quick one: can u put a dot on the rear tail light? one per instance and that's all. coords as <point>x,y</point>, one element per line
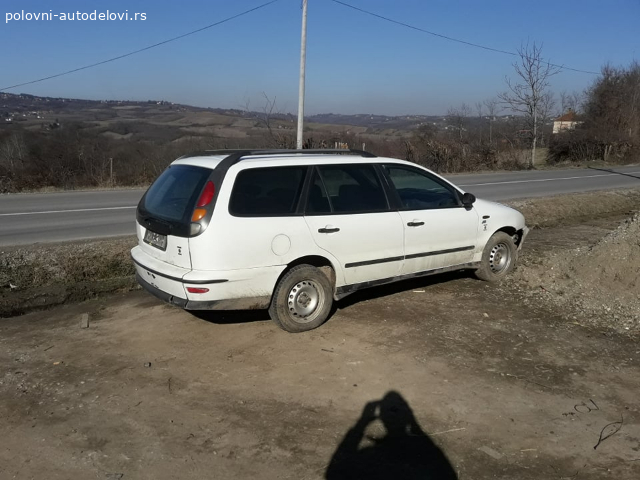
<point>197,290</point>
<point>201,211</point>
<point>207,195</point>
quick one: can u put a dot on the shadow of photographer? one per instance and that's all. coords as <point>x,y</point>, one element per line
<point>403,451</point>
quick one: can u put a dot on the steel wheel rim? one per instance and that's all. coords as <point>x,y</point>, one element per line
<point>304,300</point>
<point>500,258</point>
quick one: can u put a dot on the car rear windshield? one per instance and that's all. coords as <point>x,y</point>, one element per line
<point>173,195</point>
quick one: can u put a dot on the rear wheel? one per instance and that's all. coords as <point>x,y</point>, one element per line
<point>302,299</point>
<point>498,258</point>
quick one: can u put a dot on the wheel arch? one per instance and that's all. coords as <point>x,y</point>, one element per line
<point>511,231</point>
<point>325,265</point>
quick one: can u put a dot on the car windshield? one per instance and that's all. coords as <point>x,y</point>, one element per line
<point>173,195</point>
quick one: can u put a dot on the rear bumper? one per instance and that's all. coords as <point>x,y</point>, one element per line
<point>164,296</point>
<point>244,303</point>
<point>245,289</point>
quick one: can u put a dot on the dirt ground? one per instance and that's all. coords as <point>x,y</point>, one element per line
<point>591,272</point>
<point>447,377</point>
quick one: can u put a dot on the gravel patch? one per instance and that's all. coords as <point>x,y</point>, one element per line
<point>597,282</point>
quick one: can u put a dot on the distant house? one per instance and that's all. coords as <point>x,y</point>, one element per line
<point>568,121</point>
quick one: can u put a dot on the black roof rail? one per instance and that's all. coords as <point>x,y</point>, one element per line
<point>237,154</point>
<point>204,153</point>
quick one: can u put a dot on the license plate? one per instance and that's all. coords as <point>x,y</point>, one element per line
<point>156,240</point>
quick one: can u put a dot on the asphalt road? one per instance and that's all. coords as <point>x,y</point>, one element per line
<point>544,183</point>
<point>54,217</point>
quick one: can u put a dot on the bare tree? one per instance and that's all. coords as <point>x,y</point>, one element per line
<point>546,112</point>
<point>570,101</point>
<point>266,118</point>
<point>479,108</point>
<point>613,104</point>
<point>526,95</point>
<point>13,151</point>
<point>457,118</point>
<point>492,109</point>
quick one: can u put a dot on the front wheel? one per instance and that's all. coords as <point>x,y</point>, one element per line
<point>498,258</point>
<point>302,299</point>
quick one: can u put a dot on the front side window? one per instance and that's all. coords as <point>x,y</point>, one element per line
<point>346,189</point>
<point>419,191</point>
<point>272,191</point>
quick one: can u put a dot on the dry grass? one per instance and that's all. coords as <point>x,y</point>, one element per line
<point>574,208</point>
<point>36,277</point>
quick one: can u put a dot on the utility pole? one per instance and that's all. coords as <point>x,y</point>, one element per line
<point>303,61</point>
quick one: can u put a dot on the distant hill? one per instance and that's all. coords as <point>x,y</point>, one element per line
<point>24,103</point>
<point>166,122</point>
<point>405,122</point>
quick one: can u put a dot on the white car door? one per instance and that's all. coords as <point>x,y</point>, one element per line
<point>438,230</point>
<point>348,215</point>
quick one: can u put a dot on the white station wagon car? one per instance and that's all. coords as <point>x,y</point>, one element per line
<point>294,230</point>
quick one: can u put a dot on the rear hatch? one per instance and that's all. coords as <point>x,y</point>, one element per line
<point>164,213</point>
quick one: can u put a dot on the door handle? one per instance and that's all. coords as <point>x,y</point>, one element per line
<point>415,223</point>
<point>328,229</point>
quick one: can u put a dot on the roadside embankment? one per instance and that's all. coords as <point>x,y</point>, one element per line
<point>576,208</point>
<point>40,276</point>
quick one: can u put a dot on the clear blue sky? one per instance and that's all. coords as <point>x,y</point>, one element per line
<point>355,63</point>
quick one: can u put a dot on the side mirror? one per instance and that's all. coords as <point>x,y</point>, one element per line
<point>468,199</point>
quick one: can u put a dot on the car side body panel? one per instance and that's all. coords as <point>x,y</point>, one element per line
<point>367,246</point>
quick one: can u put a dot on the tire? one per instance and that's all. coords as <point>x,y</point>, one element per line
<point>498,258</point>
<point>302,299</point>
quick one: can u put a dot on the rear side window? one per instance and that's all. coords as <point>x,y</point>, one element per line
<point>173,195</point>
<point>343,189</point>
<point>273,191</point>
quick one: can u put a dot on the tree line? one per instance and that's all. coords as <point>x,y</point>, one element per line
<point>606,122</point>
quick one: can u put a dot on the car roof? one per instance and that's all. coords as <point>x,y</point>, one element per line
<point>214,158</point>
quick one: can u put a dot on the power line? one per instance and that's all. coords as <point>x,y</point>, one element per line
<point>141,49</point>
<point>452,39</point>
